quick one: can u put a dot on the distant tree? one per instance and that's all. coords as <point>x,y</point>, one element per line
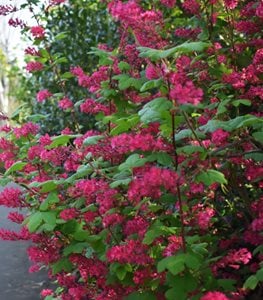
<point>67,29</point>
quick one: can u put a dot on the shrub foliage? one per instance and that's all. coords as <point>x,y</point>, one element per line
<point>163,199</point>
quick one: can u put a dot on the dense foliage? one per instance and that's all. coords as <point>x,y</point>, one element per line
<point>71,31</point>
<point>163,200</point>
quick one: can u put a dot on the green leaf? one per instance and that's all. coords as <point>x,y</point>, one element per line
<point>62,265</point>
<point>190,149</point>
<point>259,274</point>
<point>75,248</point>
<point>48,186</point>
<point>258,249</point>
<point>67,75</point>
<point>124,182</point>
<point>251,282</point>
<point>176,293</point>
<point>52,198</point>
<point>99,52</point>
<point>81,235</point>
<point>44,53</point>
<point>227,284</point>
<point>256,156</point>
<point>175,264</point>
<point>82,171</point>
<point>200,248</point>
<point>132,161</point>
<point>181,286</point>
<point>49,217</point>
<point>123,126</point>
<point>123,66</point>
<point>89,252</point>
<point>92,140</point>
<point>61,35</point>
<point>61,60</point>
<point>141,296</point>
<point>187,133</point>
<point>61,140</point>
<point>37,117</point>
<point>231,125</point>
<point>211,176</point>
<point>151,84</point>
<point>152,111</point>
<point>50,298</point>
<point>192,261</point>
<point>70,227</point>
<point>222,107</point>
<point>245,102</point>
<point>185,284</point>
<point>125,81</point>
<point>151,235</point>
<point>17,112</point>
<point>121,272</point>
<point>34,221</point>
<point>4,181</point>
<point>258,136</point>
<point>17,166</point>
<point>162,158</point>
<point>186,47</point>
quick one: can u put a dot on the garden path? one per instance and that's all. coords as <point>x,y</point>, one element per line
<point>16,283</point>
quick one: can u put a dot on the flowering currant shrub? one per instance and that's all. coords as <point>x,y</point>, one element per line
<point>163,200</point>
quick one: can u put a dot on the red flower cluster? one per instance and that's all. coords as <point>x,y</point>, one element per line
<point>132,252</point>
<point>38,32</point>
<point>34,66</point>
<point>149,183</point>
<point>43,95</point>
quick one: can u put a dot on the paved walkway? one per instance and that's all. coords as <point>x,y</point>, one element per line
<point>16,283</point>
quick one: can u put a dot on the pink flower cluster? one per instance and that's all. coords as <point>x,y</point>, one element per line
<point>32,51</point>
<point>34,66</point>
<point>26,130</point>
<point>191,7</point>
<point>10,235</point>
<point>233,259</point>
<point>219,136</point>
<point>56,2</point>
<point>168,3</point>
<point>231,4</point>
<point>214,296</point>
<point>125,143</point>
<point>89,267</point>
<point>148,182</point>
<point>175,243</point>
<point>137,225</point>
<point>12,197</point>
<point>7,9</point>
<point>96,191</point>
<point>43,95</point>
<point>68,214</point>
<point>92,82</point>
<point>187,32</point>
<point>16,217</point>
<point>47,250</point>
<point>112,219</point>
<point>15,22</point>
<point>132,252</point>
<point>145,24</point>
<point>65,103</point>
<point>204,217</point>
<point>186,93</point>
<point>90,106</point>
<point>38,32</point>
